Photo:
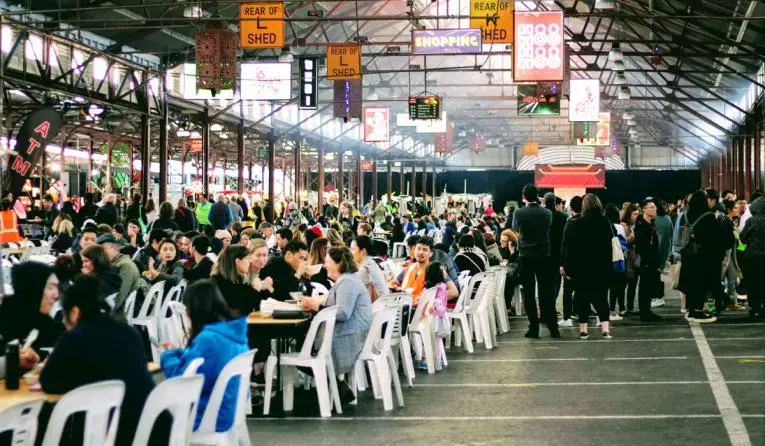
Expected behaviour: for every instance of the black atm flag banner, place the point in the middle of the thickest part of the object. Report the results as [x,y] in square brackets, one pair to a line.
[41,126]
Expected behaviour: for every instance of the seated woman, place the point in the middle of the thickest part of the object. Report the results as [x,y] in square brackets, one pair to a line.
[64,238]
[316,256]
[370,273]
[215,336]
[467,258]
[354,313]
[98,348]
[96,263]
[230,275]
[35,287]
[170,268]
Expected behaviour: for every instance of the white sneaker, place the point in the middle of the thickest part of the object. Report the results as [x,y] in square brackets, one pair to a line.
[565,323]
[657,303]
[597,321]
[683,311]
[615,317]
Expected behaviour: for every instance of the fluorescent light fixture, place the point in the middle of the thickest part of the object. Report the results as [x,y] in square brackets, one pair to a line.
[224,136]
[182,133]
[216,127]
[195,135]
[617,65]
[624,93]
[605,4]
[615,53]
[627,116]
[192,12]
[620,79]
[632,123]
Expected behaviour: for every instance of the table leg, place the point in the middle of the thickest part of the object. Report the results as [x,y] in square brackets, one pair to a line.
[280,403]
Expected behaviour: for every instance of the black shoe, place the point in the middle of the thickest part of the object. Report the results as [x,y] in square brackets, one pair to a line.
[607,335]
[584,335]
[533,334]
[650,317]
[554,332]
[346,394]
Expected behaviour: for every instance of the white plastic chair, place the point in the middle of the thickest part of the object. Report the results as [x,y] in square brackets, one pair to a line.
[151,303]
[241,367]
[166,318]
[321,365]
[458,314]
[421,327]
[177,328]
[191,369]
[318,289]
[500,278]
[378,356]
[21,420]
[97,401]
[479,308]
[400,337]
[180,397]
[111,300]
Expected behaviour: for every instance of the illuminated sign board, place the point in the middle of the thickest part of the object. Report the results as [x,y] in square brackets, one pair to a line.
[309,83]
[594,133]
[424,107]
[446,41]
[347,99]
[550,176]
[538,49]
[539,99]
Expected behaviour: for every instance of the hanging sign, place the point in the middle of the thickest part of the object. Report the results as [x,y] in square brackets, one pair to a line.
[494,18]
[444,142]
[376,124]
[347,99]
[446,41]
[538,48]
[542,98]
[424,107]
[584,100]
[343,62]
[594,134]
[266,81]
[40,127]
[592,176]
[195,145]
[309,83]
[256,33]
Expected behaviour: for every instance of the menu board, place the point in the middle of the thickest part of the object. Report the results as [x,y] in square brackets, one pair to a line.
[424,107]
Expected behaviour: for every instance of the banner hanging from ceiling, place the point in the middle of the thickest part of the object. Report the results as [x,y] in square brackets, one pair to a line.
[347,99]
[538,48]
[40,127]
[494,18]
[594,133]
[266,81]
[584,100]
[308,68]
[444,142]
[446,41]
[376,124]
[550,176]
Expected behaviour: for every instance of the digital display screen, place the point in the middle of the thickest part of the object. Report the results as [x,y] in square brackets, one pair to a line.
[424,107]
[541,99]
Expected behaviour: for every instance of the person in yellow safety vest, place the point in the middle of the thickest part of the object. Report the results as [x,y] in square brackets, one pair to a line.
[203,210]
[9,227]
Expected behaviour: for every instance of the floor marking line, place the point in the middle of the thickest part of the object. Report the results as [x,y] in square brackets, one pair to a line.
[502,418]
[562,384]
[646,358]
[680,339]
[745,382]
[731,417]
[741,357]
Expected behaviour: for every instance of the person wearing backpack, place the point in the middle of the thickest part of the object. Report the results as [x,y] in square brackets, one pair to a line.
[699,246]
[753,236]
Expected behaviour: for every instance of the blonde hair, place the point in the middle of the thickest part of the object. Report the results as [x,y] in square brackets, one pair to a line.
[334,237]
[256,243]
[65,226]
[319,248]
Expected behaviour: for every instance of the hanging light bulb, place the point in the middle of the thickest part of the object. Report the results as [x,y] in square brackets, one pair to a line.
[616,52]
[617,65]
[624,93]
[620,79]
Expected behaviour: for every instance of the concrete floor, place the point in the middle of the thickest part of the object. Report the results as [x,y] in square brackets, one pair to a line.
[647,386]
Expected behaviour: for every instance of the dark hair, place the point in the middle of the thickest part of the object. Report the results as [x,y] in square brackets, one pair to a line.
[343,257]
[728,205]
[236,227]
[205,305]
[726,192]
[478,239]
[97,255]
[412,240]
[285,234]
[134,222]
[137,199]
[612,213]
[119,228]
[661,207]
[576,204]
[434,274]
[201,243]
[28,280]
[712,194]
[427,241]
[466,241]
[89,228]
[166,210]
[65,268]
[157,235]
[697,205]
[177,251]
[530,193]
[646,202]
[365,243]
[85,294]
[294,246]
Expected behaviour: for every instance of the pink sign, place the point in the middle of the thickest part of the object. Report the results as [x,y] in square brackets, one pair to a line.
[538,51]
[376,124]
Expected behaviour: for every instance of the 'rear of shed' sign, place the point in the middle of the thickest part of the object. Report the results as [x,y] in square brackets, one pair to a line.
[40,127]
[261,25]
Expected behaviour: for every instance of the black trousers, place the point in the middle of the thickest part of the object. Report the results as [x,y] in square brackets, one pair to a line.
[617,290]
[755,282]
[535,271]
[649,286]
[569,292]
[632,283]
[592,295]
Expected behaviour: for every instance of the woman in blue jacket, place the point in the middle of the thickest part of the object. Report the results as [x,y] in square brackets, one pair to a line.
[215,337]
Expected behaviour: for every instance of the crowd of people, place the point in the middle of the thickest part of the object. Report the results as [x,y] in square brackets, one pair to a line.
[234,256]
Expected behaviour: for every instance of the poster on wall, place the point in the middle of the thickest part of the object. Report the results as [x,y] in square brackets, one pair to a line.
[584,100]
[590,176]
[538,49]
[376,124]
[266,81]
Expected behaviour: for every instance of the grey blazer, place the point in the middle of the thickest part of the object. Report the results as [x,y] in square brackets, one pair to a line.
[354,315]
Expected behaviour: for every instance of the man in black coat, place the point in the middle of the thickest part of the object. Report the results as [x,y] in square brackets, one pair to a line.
[220,214]
[556,237]
[647,251]
[287,270]
[107,214]
[532,222]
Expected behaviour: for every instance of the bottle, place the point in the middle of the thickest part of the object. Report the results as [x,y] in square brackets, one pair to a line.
[12,366]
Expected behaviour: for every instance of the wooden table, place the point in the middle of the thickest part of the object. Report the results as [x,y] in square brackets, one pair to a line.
[257,318]
[9,398]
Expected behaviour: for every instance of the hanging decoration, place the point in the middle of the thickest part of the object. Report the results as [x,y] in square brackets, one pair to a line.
[216,59]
